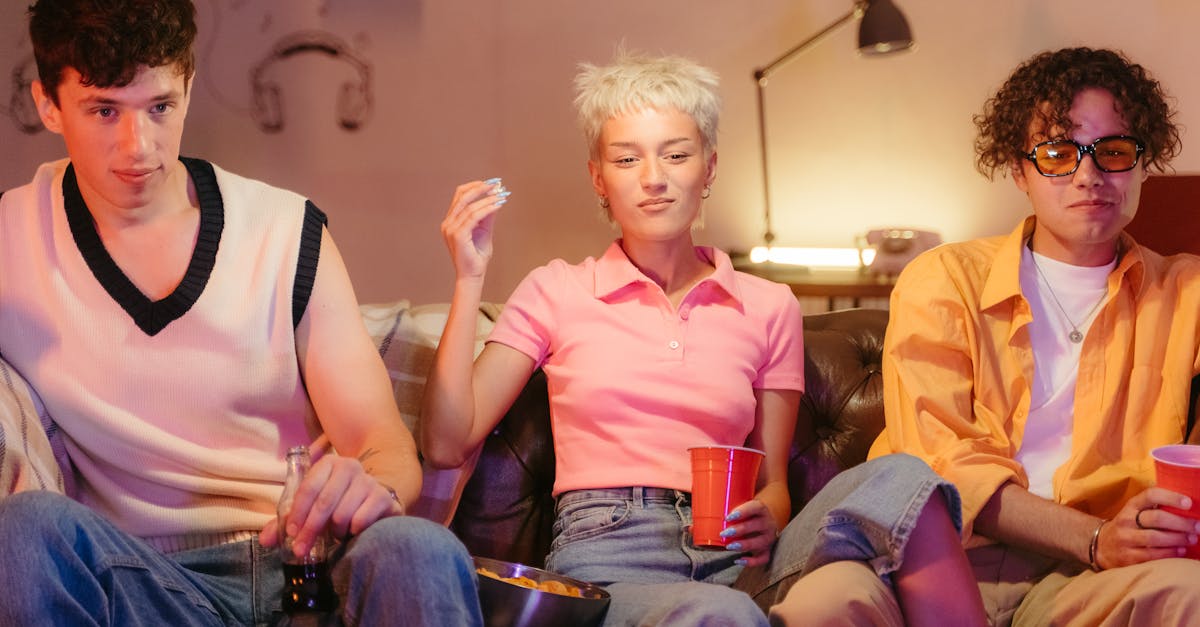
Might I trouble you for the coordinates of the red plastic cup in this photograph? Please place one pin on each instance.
(723, 477)
(1178, 469)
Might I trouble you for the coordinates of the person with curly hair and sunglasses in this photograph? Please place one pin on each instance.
(1037, 370)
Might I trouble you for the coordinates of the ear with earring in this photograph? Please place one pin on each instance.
(605, 210)
(706, 192)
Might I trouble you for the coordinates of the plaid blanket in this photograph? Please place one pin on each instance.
(407, 338)
(28, 460)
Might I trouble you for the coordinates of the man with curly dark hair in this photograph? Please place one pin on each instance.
(185, 327)
(1037, 370)
(1053, 80)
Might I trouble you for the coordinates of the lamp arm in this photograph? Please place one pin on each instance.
(761, 74)
(760, 81)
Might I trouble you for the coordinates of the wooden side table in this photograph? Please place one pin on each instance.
(825, 283)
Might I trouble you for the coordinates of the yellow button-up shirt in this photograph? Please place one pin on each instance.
(958, 367)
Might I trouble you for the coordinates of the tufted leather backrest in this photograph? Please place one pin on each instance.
(841, 411)
(506, 511)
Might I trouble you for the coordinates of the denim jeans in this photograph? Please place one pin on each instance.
(63, 564)
(634, 541)
(866, 513)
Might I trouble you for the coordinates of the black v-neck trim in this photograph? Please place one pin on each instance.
(151, 316)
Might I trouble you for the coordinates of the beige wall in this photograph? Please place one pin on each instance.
(477, 89)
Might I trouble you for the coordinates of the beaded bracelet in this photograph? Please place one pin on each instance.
(1095, 545)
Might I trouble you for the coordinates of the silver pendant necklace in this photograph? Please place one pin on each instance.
(1075, 335)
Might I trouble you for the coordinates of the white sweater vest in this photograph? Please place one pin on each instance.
(177, 413)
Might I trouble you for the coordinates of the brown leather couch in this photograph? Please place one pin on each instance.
(506, 511)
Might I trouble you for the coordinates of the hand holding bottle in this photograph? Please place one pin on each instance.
(306, 583)
(337, 497)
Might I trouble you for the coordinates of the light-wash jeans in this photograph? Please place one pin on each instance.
(63, 564)
(866, 514)
(634, 541)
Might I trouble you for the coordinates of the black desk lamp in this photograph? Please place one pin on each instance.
(883, 30)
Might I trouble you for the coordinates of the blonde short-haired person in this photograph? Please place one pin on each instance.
(658, 345)
(1037, 370)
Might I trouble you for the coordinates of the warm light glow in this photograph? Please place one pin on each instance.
(813, 257)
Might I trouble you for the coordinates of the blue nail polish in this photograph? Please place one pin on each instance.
(504, 194)
(741, 561)
(492, 181)
(734, 515)
(728, 532)
(734, 546)
(500, 201)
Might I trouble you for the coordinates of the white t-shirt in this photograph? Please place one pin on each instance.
(1072, 304)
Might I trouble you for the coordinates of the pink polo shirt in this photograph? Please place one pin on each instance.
(634, 382)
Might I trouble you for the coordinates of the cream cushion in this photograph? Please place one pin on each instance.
(407, 337)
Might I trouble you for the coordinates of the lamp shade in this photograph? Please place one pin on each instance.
(883, 29)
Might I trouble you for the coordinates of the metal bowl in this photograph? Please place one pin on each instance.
(510, 605)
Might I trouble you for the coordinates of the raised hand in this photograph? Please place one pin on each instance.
(467, 227)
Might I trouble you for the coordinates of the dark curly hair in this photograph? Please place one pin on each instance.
(1047, 84)
(107, 41)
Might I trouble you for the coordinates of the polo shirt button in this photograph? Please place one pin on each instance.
(683, 313)
(674, 344)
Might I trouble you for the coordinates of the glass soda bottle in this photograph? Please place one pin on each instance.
(306, 583)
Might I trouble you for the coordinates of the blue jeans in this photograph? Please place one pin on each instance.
(634, 541)
(66, 565)
(866, 514)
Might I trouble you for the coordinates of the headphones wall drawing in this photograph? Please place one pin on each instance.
(355, 98)
(20, 103)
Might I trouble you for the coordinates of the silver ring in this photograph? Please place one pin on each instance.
(1137, 519)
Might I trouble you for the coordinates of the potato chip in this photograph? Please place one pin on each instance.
(557, 587)
(552, 586)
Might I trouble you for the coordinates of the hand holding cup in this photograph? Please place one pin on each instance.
(723, 477)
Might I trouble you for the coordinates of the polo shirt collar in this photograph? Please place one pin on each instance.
(1004, 281)
(614, 271)
(723, 276)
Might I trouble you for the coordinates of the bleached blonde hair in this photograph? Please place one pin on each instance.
(634, 81)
